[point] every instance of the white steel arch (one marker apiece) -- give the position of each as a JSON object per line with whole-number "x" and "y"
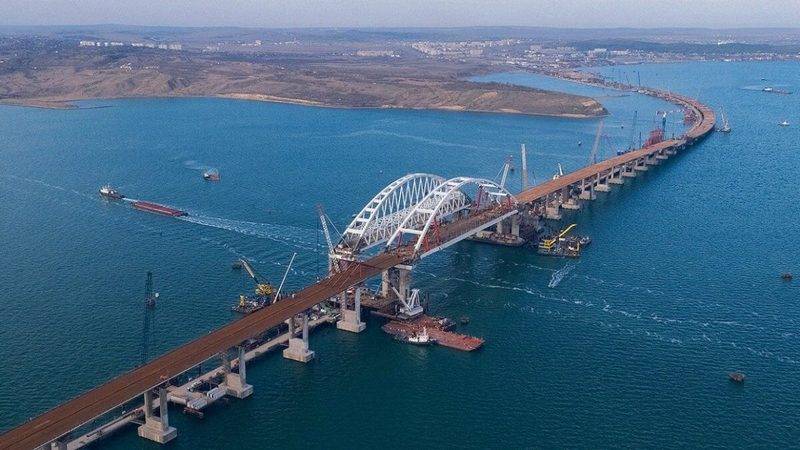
{"x": 381, "y": 216}
{"x": 444, "y": 201}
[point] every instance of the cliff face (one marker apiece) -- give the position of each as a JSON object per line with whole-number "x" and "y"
{"x": 41, "y": 81}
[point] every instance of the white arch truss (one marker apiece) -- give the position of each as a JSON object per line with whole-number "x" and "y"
{"x": 381, "y": 216}
{"x": 446, "y": 200}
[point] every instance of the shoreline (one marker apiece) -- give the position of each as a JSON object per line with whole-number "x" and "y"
{"x": 69, "y": 104}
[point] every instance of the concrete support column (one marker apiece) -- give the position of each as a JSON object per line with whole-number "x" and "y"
{"x": 386, "y": 284}
{"x": 156, "y": 428}
{"x": 515, "y": 225}
{"x": 616, "y": 178}
{"x": 298, "y": 347}
{"x": 499, "y": 227}
{"x": 587, "y": 194}
{"x": 552, "y": 209}
{"x": 351, "y": 320}
{"x": 236, "y": 383}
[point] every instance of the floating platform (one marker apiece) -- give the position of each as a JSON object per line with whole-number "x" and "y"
{"x": 439, "y": 330}
{"x": 508, "y": 240}
{"x": 155, "y": 208}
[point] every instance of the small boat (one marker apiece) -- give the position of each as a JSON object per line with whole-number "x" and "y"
{"x": 736, "y": 377}
{"x": 580, "y": 143}
{"x": 767, "y": 89}
{"x": 211, "y": 175}
{"x": 584, "y": 241}
{"x": 464, "y": 320}
{"x": 109, "y": 192}
{"x": 785, "y": 123}
{"x": 787, "y": 276}
{"x": 419, "y": 338}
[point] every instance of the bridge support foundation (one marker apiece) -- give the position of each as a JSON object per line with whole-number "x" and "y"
{"x": 662, "y": 156}
{"x": 236, "y": 383}
{"x": 651, "y": 161}
{"x": 351, "y": 319}
{"x": 298, "y": 347}
{"x": 156, "y": 428}
{"x": 572, "y": 204}
{"x": 587, "y": 195}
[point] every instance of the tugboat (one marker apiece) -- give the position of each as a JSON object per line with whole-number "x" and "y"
{"x": 419, "y": 338}
{"x": 211, "y": 175}
{"x": 736, "y": 377}
{"x": 110, "y": 193}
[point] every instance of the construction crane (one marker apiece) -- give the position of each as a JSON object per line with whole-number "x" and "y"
{"x": 550, "y": 242}
{"x": 283, "y": 280}
{"x": 504, "y": 176}
{"x": 333, "y": 263}
{"x": 263, "y": 287}
{"x": 524, "y": 157}
{"x": 596, "y": 146}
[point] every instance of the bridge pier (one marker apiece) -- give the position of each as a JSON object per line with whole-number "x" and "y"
{"x": 351, "y": 319}
{"x": 640, "y": 166}
{"x": 156, "y": 428}
{"x": 651, "y": 160}
{"x": 616, "y": 178}
{"x": 236, "y": 383}
{"x": 604, "y": 187}
{"x": 663, "y": 156}
{"x": 298, "y": 347}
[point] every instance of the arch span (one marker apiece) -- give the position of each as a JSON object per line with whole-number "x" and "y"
{"x": 381, "y": 216}
{"x": 445, "y": 201}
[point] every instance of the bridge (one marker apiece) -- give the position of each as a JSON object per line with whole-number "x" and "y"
{"x": 412, "y": 218}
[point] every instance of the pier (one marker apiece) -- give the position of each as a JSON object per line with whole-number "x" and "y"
{"x": 410, "y": 219}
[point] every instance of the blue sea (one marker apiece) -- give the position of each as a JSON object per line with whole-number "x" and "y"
{"x": 631, "y": 349}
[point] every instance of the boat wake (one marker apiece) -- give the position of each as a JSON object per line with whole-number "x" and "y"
{"x": 196, "y": 165}
{"x": 301, "y": 238}
{"x": 559, "y": 275}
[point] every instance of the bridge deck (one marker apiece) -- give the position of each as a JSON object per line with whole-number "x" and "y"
{"x": 85, "y": 407}
{"x": 700, "y": 128}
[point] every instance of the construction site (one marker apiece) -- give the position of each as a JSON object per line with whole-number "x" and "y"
{"x": 370, "y": 267}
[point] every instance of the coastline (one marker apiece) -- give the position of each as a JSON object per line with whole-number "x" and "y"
{"x": 68, "y": 104}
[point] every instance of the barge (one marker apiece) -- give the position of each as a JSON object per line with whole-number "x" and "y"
{"x": 155, "y": 208}
{"x": 435, "y": 329}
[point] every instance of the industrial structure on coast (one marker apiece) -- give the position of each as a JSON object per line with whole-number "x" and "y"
{"x": 413, "y": 217}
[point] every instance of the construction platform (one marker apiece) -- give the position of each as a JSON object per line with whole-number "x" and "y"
{"x": 438, "y": 328}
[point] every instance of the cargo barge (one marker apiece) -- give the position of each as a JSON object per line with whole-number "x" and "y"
{"x": 158, "y": 209}
{"x": 437, "y": 330}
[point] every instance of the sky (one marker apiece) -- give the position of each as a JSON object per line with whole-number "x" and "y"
{"x": 406, "y": 13}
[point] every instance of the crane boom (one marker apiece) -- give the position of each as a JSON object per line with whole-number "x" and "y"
{"x": 333, "y": 266}
{"x": 564, "y": 232}
{"x": 596, "y": 146}
{"x": 506, "y": 167}
{"x": 524, "y": 156}
{"x": 280, "y": 287}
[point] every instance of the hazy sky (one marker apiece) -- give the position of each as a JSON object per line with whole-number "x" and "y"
{"x": 364, "y": 13}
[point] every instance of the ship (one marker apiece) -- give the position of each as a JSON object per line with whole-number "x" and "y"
{"x": 109, "y": 192}
{"x": 211, "y": 175}
{"x": 158, "y": 209}
{"x": 419, "y": 338}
